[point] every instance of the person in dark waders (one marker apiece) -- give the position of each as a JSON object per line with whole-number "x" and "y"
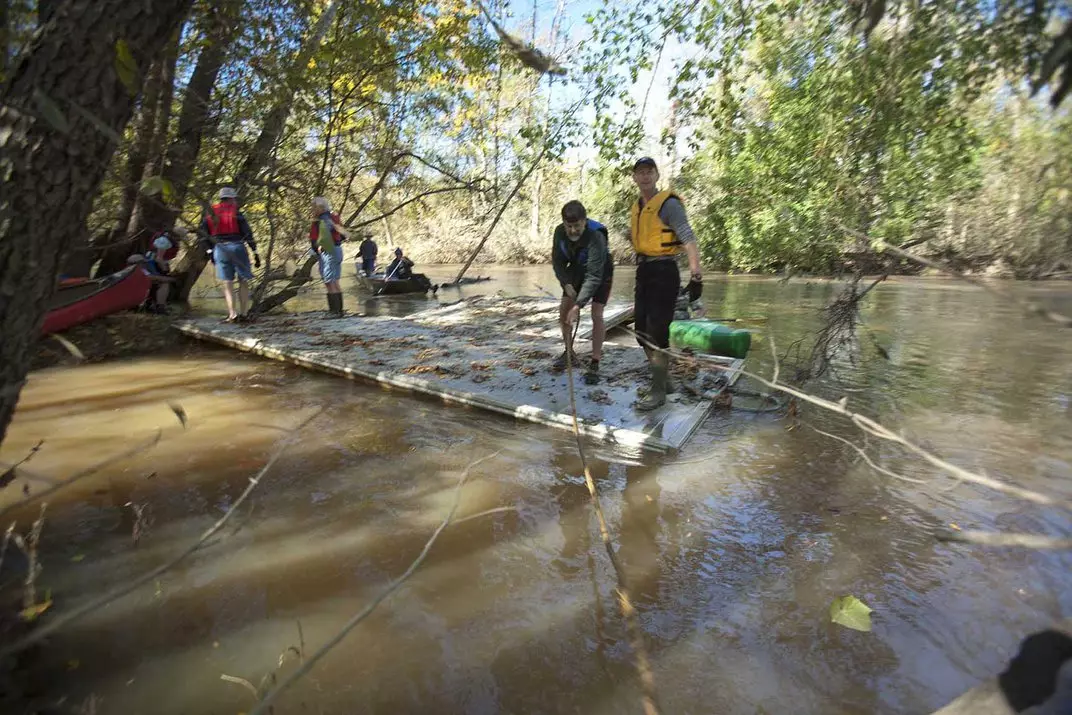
{"x": 660, "y": 231}
{"x": 585, "y": 270}
{"x": 326, "y": 236}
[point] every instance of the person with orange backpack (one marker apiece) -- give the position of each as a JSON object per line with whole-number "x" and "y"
{"x": 225, "y": 233}
{"x": 326, "y": 236}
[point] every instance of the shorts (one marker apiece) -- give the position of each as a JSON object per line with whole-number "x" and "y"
{"x": 331, "y": 264}
{"x": 231, "y": 258}
{"x": 657, "y": 286}
{"x": 602, "y": 294}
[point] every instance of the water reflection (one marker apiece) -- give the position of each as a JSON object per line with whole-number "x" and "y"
{"x": 734, "y": 548}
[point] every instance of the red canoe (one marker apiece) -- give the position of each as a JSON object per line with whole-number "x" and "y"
{"x": 78, "y": 303}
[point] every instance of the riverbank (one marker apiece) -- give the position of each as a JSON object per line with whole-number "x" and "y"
{"x": 120, "y": 335}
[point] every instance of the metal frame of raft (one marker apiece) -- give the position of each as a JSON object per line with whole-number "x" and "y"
{"x": 681, "y": 420}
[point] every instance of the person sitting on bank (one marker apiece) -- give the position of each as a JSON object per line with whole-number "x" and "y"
{"x": 368, "y": 251}
{"x": 585, "y": 270}
{"x": 326, "y": 236}
{"x": 225, "y": 233}
{"x": 660, "y": 231}
{"x": 158, "y": 265}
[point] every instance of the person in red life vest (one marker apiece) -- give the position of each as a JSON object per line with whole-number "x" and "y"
{"x": 326, "y": 236}
{"x": 225, "y": 233}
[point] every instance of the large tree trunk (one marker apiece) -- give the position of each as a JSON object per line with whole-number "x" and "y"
{"x": 190, "y": 265}
{"x": 157, "y": 212}
{"x": 52, "y": 158}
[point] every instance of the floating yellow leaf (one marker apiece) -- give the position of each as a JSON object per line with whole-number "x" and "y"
{"x": 851, "y": 612}
{"x": 78, "y": 557}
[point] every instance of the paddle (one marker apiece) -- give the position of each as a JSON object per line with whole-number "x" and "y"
{"x": 387, "y": 278}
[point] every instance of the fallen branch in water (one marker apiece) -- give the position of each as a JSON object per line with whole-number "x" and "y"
{"x": 870, "y": 426}
{"x": 264, "y": 705}
{"x": 9, "y": 474}
{"x": 866, "y": 458}
{"x": 1029, "y": 307}
{"x": 649, "y": 697}
{"x": 88, "y": 471}
{"x": 97, "y": 603}
{"x": 992, "y": 538}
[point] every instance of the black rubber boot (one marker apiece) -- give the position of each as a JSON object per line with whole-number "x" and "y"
{"x": 334, "y": 305}
{"x": 656, "y": 396}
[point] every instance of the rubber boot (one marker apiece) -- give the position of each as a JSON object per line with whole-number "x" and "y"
{"x": 334, "y": 305}
{"x": 656, "y": 396}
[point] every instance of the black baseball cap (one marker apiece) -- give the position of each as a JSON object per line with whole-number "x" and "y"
{"x": 644, "y": 161}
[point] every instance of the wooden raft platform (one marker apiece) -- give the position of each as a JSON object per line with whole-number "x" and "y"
{"x": 488, "y": 352}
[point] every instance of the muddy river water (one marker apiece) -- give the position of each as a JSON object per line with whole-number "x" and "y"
{"x": 736, "y": 546}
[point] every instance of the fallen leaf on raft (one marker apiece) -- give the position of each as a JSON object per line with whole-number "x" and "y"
{"x": 953, "y": 526}
{"x": 851, "y": 612}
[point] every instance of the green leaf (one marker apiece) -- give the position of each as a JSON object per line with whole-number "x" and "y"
{"x": 851, "y": 612}
{"x": 126, "y": 67}
{"x": 51, "y": 112}
{"x": 158, "y": 185}
{"x": 31, "y": 613}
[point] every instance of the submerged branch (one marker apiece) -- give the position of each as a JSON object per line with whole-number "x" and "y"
{"x": 88, "y": 471}
{"x": 642, "y": 662}
{"x": 992, "y": 538}
{"x": 1029, "y": 307}
{"x": 264, "y": 706}
{"x": 100, "y": 602}
{"x": 870, "y": 426}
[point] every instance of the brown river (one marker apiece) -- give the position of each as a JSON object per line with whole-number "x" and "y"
{"x": 735, "y": 546}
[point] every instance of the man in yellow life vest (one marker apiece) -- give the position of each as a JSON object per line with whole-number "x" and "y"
{"x": 660, "y": 231}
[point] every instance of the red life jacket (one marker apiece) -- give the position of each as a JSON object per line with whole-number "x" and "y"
{"x": 314, "y": 230}
{"x": 223, "y": 220}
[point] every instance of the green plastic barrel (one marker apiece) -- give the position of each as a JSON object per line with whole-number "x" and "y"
{"x": 707, "y": 336}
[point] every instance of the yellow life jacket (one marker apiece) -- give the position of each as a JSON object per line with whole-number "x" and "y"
{"x": 652, "y": 237}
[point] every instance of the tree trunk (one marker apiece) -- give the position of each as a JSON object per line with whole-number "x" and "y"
{"x": 46, "y": 9}
{"x": 193, "y": 262}
{"x": 53, "y": 158}
{"x": 158, "y": 212}
{"x": 157, "y": 152}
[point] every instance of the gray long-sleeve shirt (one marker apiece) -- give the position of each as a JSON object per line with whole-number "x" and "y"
{"x": 672, "y": 213}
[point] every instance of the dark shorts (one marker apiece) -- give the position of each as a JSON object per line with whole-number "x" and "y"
{"x": 602, "y": 294}
{"x": 657, "y": 286}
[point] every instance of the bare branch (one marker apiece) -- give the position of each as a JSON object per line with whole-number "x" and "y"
{"x": 992, "y": 538}
{"x": 489, "y": 512}
{"x": 642, "y": 663}
{"x": 95, "y": 604}
{"x": 264, "y": 705}
{"x": 872, "y": 427}
{"x": 866, "y": 458}
{"x": 408, "y": 201}
{"x": 1029, "y": 307}
{"x": 88, "y": 471}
